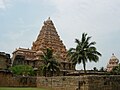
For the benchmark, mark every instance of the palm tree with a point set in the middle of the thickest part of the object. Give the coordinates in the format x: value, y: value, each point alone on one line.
x: 85, y: 51
x: 50, y: 65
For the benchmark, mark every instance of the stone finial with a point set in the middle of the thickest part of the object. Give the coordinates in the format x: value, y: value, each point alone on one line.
x: 113, y: 54
x: 47, y: 21
x: 48, y: 18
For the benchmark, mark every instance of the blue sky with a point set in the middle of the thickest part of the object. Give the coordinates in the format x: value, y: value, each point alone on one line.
x: 21, y: 20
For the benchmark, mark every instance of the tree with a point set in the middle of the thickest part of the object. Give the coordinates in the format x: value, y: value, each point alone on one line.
x: 95, y: 69
x: 116, y: 70
x: 24, y: 70
x: 84, y: 51
x: 102, y: 69
x: 50, y: 65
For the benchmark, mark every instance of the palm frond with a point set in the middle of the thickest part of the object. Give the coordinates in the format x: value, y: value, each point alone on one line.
x: 84, y: 51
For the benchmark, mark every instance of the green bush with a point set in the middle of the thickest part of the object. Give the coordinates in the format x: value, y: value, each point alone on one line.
x: 24, y: 70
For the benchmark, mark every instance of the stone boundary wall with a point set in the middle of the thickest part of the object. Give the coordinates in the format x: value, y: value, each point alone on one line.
x: 8, y: 80
x: 86, y: 82
x: 58, y: 83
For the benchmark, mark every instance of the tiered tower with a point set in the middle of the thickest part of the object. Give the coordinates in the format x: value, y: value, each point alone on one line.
x: 49, y: 38
x: 112, y: 63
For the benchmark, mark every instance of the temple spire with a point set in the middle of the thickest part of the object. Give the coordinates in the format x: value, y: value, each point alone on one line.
x: 49, y: 38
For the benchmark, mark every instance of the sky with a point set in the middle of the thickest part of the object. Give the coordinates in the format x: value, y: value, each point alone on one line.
x: 21, y: 21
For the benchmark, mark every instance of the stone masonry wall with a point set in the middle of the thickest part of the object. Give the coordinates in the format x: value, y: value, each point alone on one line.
x: 8, y: 80
x: 3, y: 62
x: 88, y: 82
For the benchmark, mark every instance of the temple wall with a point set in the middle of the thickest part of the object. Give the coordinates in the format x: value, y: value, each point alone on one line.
x: 89, y: 82
x: 8, y: 80
x: 3, y: 62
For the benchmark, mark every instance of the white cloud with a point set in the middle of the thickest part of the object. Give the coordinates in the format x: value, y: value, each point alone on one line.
x: 2, y: 5
x: 5, y: 4
x: 91, y: 12
x: 96, y: 17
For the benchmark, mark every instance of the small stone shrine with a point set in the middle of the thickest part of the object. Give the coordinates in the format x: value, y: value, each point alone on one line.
x: 112, y: 63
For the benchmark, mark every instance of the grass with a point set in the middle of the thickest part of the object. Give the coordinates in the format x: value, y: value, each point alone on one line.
x: 12, y: 88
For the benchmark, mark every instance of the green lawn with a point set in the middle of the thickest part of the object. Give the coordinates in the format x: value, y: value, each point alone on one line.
x: 10, y: 88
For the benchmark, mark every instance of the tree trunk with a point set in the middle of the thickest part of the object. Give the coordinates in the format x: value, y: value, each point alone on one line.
x: 84, y: 66
x: 45, y: 73
x: 51, y: 73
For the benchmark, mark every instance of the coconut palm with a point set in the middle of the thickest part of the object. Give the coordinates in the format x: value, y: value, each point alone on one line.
x: 85, y: 51
x: 50, y: 65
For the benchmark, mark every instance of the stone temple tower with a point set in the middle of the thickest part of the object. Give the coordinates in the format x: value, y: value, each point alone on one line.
x: 49, y: 38
x: 112, y: 63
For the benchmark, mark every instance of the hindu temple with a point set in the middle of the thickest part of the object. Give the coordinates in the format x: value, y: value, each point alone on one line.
x: 47, y: 38
x: 112, y: 63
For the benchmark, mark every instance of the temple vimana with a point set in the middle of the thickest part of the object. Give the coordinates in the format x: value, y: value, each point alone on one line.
x: 47, y: 38
x: 113, y: 62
